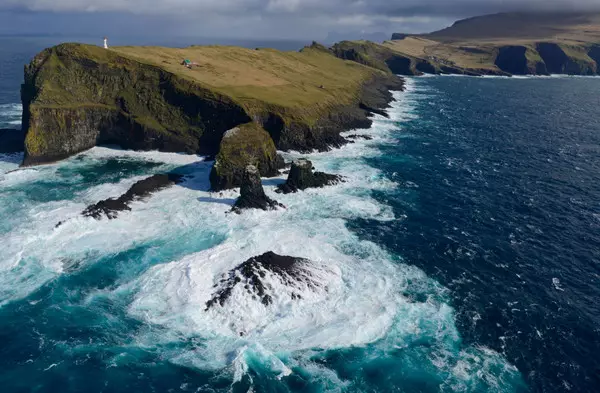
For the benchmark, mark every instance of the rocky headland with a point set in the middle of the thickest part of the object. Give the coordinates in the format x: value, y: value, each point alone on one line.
x: 237, y: 105
x: 526, y: 43
x: 250, y: 275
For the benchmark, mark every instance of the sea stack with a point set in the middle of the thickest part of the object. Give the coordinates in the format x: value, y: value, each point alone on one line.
x: 252, y: 193
x: 112, y: 206
x: 302, y: 177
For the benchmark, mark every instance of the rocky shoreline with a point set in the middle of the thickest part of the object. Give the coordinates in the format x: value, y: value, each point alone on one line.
x: 111, y: 207
x: 76, y: 97
x: 103, y: 97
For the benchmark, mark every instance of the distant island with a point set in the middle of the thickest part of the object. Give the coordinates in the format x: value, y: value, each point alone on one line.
x: 242, y: 105
x: 500, y: 44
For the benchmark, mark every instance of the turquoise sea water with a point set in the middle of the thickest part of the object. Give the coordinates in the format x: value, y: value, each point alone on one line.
x: 461, y: 255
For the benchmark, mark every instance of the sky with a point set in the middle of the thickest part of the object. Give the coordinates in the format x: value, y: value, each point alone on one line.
x: 254, y: 19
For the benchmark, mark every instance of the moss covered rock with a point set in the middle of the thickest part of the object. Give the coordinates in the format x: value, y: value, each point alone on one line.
x: 77, y: 96
x: 248, y: 144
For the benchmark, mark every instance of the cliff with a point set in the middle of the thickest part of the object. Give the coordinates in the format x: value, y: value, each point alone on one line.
x: 511, y: 43
x: 78, y: 96
x: 389, y: 58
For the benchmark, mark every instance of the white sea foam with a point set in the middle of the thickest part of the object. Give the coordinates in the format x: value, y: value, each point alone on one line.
x: 104, y: 152
x: 35, y: 250
x: 11, y: 109
x: 11, y: 114
x: 360, y: 296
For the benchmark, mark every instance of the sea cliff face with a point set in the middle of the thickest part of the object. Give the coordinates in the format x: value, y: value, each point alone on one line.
x: 79, y: 96
x: 527, y: 43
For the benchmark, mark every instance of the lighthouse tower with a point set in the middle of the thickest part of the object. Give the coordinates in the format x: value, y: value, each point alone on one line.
x: 105, y: 43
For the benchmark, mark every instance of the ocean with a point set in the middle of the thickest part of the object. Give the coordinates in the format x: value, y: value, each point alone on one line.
x: 461, y: 254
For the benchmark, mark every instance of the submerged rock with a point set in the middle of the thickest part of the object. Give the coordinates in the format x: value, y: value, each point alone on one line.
x: 143, y: 188
x: 252, y: 193
x: 302, y: 177
x: 251, y: 275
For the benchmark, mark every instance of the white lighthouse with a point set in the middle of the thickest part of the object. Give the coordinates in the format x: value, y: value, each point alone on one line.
x: 105, y: 43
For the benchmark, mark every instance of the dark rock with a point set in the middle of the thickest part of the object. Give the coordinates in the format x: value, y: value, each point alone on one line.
x: 143, y: 188
x: 100, y: 97
x: 517, y: 60
x: 426, y: 67
x: 360, y: 136
x: 369, y: 109
x: 279, y: 162
x: 252, y: 193
x: 12, y: 141
x: 302, y: 177
x: 291, y: 271
x: 248, y: 144
x: 559, y: 62
x: 594, y: 54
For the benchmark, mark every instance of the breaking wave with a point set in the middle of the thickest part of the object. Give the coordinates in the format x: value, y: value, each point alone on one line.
x: 363, y: 321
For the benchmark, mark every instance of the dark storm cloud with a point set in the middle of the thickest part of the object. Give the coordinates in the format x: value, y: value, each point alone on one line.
x: 303, y: 7
x: 285, y: 18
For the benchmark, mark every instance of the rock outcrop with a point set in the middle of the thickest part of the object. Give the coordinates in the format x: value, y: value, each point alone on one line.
x: 11, y: 141
x: 78, y: 96
x: 250, y: 277
x: 360, y: 136
x: 248, y: 144
x: 111, y: 207
x: 252, y: 194
x: 301, y: 177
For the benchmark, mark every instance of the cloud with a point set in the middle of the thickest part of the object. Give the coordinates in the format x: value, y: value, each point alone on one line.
x: 288, y: 18
x: 305, y: 7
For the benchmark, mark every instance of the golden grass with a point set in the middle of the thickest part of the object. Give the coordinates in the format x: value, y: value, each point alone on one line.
x: 474, y: 42
x: 413, y: 46
x: 479, y: 56
x: 288, y: 79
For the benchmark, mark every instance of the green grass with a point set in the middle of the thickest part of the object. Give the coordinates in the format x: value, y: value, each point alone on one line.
x: 299, y: 86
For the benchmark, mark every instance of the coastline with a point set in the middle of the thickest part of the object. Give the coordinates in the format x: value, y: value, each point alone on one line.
x: 287, y: 337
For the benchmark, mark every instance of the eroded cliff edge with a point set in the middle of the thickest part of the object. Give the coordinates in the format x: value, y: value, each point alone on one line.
x: 78, y: 96
x: 516, y: 43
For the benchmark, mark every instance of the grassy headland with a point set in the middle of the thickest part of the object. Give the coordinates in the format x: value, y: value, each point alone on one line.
x: 76, y: 96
